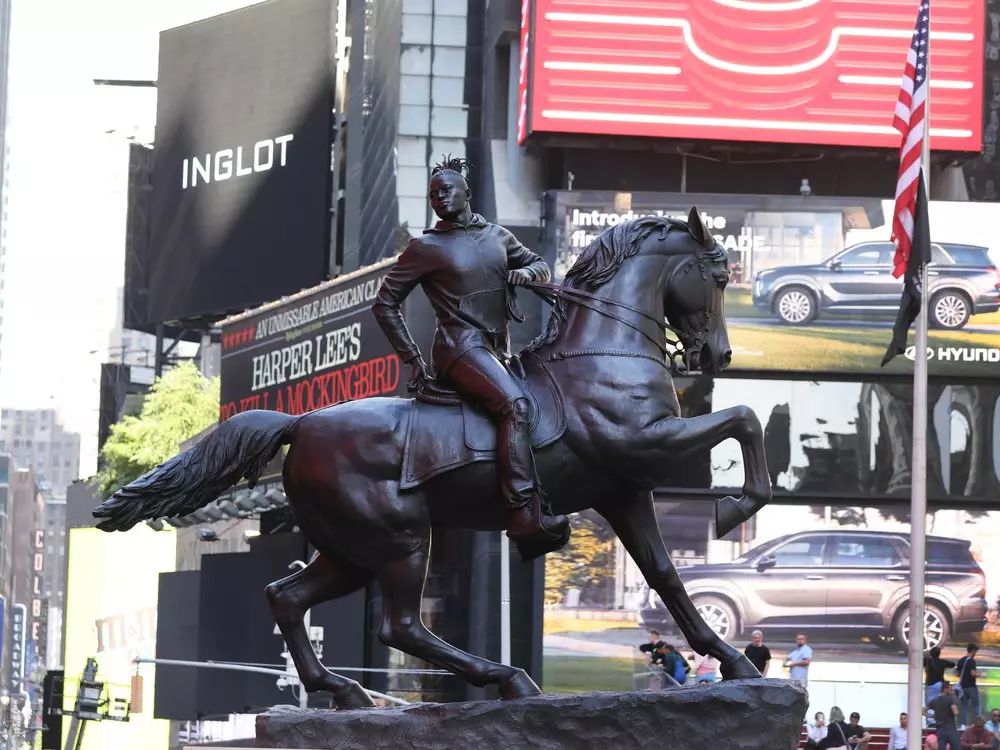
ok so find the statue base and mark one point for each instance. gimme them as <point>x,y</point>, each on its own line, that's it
<point>734,715</point>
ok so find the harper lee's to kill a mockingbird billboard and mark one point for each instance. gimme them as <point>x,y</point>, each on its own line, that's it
<point>242,160</point>
<point>310,351</point>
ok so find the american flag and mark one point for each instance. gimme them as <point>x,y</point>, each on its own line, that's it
<point>910,121</point>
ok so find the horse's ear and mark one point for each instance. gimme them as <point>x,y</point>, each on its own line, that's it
<point>698,229</point>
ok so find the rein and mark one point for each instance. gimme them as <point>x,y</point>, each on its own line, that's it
<point>551,292</point>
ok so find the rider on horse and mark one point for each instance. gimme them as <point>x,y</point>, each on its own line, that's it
<point>464,265</point>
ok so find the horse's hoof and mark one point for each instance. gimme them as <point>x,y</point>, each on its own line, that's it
<point>729,514</point>
<point>739,669</point>
<point>518,686</point>
<point>352,697</point>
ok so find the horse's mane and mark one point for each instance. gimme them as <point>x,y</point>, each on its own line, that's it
<point>599,262</point>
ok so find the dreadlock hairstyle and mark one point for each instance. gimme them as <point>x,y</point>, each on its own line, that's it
<point>456,164</point>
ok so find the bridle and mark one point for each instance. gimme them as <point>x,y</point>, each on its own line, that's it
<point>679,355</point>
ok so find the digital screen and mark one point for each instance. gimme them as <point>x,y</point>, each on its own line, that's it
<point>811,286</point>
<point>816,71</point>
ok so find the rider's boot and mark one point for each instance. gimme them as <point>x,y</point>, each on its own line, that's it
<point>535,532</point>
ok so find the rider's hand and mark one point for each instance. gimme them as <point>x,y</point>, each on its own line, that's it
<point>519,277</point>
<point>418,374</point>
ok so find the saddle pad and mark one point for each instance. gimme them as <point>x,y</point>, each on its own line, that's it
<point>442,438</point>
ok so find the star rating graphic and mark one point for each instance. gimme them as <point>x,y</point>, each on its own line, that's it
<point>238,338</point>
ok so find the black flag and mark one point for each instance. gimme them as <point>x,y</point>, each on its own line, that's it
<point>920,255</point>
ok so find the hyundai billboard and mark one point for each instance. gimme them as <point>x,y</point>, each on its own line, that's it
<point>829,558</point>
<point>811,286</point>
<point>818,71</point>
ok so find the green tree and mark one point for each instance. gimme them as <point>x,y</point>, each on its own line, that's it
<point>584,563</point>
<point>179,405</point>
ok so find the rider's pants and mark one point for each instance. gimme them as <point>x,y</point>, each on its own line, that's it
<point>478,376</point>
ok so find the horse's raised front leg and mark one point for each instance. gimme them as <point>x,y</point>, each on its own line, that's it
<point>320,581</point>
<point>402,585</point>
<point>708,430</point>
<point>634,521</point>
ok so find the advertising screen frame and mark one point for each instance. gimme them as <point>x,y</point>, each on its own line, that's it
<point>650,58</point>
<point>239,212</point>
<point>98,614</point>
<point>310,350</point>
<point>783,239</point>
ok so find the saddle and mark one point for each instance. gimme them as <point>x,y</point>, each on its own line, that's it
<point>445,433</point>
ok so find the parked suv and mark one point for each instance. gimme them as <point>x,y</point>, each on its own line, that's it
<point>963,282</point>
<point>849,582</point>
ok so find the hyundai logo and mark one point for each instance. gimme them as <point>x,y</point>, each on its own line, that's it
<point>911,353</point>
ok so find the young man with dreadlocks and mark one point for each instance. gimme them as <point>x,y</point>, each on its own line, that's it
<point>464,265</point>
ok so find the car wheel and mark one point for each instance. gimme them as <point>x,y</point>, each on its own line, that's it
<point>796,306</point>
<point>950,310</point>
<point>718,615</point>
<point>936,629</point>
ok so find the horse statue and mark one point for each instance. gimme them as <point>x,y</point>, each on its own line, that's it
<point>370,480</point>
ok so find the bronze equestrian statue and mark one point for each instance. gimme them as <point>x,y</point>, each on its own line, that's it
<point>369,480</point>
<point>464,265</point>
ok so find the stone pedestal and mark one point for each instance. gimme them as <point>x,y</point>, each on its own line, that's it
<point>736,715</point>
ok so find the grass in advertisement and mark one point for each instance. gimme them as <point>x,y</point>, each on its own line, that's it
<point>587,674</point>
<point>769,345</point>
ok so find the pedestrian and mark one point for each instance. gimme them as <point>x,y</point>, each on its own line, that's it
<point>837,731</point>
<point>968,688</point>
<point>935,668</point>
<point>945,708</point>
<point>705,668</point>
<point>675,665</point>
<point>976,737</point>
<point>653,648</point>
<point>799,660</point>
<point>758,654</point>
<point>816,732</point>
<point>857,736</point>
<point>993,727</point>
<point>897,735</point>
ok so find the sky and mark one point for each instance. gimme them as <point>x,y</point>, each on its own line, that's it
<point>67,199</point>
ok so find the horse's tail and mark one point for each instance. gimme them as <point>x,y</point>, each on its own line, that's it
<point>240,447</point>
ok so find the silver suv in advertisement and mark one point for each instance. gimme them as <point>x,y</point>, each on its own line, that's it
<point>849,583</point>
<point>963,282</point>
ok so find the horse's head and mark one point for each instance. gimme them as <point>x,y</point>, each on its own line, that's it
<point>693,299</point>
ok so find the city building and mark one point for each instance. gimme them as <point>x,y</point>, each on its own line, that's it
<point>54,576</point>
<point>5,8</point>
<point>567,143</point>
<point>37,438</point>
<point>22,514</point>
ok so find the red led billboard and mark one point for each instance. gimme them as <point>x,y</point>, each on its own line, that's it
<point>790,71</point>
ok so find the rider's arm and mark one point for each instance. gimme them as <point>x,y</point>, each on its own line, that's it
<point>396,286</point>
<point>518,256</point>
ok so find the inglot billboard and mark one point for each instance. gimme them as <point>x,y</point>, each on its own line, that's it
<point>242,160</point>
<point>811,285</point>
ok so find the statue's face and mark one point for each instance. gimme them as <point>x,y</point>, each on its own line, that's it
<point>449,195</point>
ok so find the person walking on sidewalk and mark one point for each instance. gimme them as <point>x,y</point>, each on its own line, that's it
<point>935,667</point>
<point>945,708</point>
<point>968,688</point>
<point>799,660</point>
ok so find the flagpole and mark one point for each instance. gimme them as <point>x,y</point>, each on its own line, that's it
<point>918,485</point>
